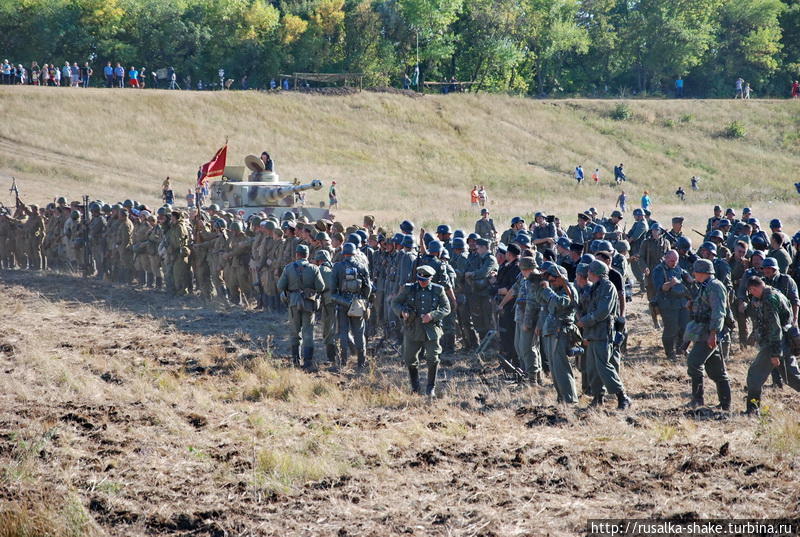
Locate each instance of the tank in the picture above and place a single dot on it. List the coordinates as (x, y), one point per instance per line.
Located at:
(262, 191)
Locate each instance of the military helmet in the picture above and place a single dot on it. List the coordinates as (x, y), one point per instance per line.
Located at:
(301, 249)
(237, 226)
(74, 215)
(586, 259)
(270, 225)
(397, 238)
(322, 236)
(598, 229)
(482, 242)
(355, 239)
(564, 242)
(444, 229)
(557, 271)
(703, 266)
(594, 246)
(516, 220)
(34, 208)
(288, 215)
(638, 212)
(94, 207)
(622, 246)
(775, 223)
(523, 239)
(546, 265)
(116, 207)
(770, 262)
(219, 223)
(162, 211)
(127, 204)
(213, 207)
(434, 247)
(459, 233)
(363, 235)
(683, 243)
(716, 234)
(582, 270)
(50, 206)
(655, 226)
(710, 246)
(472, 236)
(106, 208)
(322, 255)
(459, 243)
(599, 268)
(616, 214)
(349, 248)
(758, 253)
(427, 238)
(408, 241)
(527, 263)
(62, 200)
(407, 226)
(724, 222)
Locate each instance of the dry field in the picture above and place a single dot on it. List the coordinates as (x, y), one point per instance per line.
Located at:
(397, 156)
(125, 413)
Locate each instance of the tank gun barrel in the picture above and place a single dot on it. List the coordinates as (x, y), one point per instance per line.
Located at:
(280, 192)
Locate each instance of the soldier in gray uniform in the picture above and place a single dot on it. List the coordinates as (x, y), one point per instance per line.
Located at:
(772, 317)
(322, 259)
(598, 326)
(558, 329)
(353, 289)
(526, 316)
(636, 236)
(422, 306)
(580, 233)
(517, 225)
(672, 296)
(459, 263)
(706, 330)
(481, 268)
(302, 283)
(484, 227)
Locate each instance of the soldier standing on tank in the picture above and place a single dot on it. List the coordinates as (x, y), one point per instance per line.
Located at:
(352, 284)
(422, 306)
(301, 282)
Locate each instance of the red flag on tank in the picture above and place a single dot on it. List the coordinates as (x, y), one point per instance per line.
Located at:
(214, 167)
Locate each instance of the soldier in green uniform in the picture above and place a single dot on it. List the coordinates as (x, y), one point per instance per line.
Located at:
(484, 227)
(672, 285)
(328, 307)
(772, 317)
(705, 330)
(651, 252)
(301, 283)
(479, 271)
(598, 326)
(558, 329)
(422, 305)
(353, 289)
(517, 225)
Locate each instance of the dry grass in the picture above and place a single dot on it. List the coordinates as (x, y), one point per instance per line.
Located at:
(424, 153)
(114, 421)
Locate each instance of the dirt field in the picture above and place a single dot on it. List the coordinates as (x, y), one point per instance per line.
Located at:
(126, 413)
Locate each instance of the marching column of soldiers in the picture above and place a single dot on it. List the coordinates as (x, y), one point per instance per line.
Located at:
(552, 301)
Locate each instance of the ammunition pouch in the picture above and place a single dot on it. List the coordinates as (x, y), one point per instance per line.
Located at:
(358, 308)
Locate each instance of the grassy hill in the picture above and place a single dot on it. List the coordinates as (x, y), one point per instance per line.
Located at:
(399, 156)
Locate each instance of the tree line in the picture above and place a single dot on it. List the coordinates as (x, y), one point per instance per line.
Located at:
(533, 47)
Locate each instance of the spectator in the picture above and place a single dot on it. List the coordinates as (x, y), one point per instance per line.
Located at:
(482, 196)
(796, 90)
(679, 87)
(406, 81)
(119, 76)
(35, 74)
(473, 196)
(86, 74)
(75, 71)
(622, 199)
(747, 90)
(578, 174)
(272, 84)
(739, 88)
(133, 77)
(6, 72)
(681, 193)
(646, 201)
(45, 74)
(173, 79)
(332, 198)
(596, 176)
(285, 84)
(245, 83)
(166, 192)
(619, 173)
(66, 74)
(142, 78)
(190, 199)
(694, 181)
(108, 74)
(21, 75)
(57, 77)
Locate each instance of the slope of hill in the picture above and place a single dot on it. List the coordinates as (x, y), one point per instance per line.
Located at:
(394, 155)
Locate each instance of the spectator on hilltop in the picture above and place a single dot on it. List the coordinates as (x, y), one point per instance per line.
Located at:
(679, 87)
(133, 77)
(796, 90)
(119, 76)
(76, 75)
(739, 88)
(747, 90)
(596, 176)
(86, 75)
(578, 174)
(108, 74)
(473, 196)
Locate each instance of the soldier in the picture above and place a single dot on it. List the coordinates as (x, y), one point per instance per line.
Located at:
(779, 253)
(772, 317)
(517, 225)
(580, 233)
(544, 234)
(672, 296)
(597, 325)
(71, 236)
(199, 256)
(558, 329)
(237, 259)
(714, 220)
(651, 252)
(444, 234)
(353, 289)
(153, 259)
(484, 227)
(328, 306)
(449, 322)
(97, 240)
(469, 337)
(422, 306)
(706, 330)
(773, 277)
(122, 247)
(301, 283)
(524, 293)
(139, 247)
(676, 232)
(177, 254)
(636, 235)
(480, 270)
(686, 258)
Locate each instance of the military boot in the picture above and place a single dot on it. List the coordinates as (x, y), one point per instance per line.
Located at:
(623, 401)
(362, 360)
(296, 355)
(597, 400)
(260, 303)
(159, 282)
(777, 378)
(330, 353)
(449, 343)
(308, 359)
(413, 375)
(431, 389)
(697, 393)
(753, 404)
(724, 394)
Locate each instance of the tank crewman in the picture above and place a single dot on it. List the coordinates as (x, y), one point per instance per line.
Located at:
(422, 305)
(301, 283)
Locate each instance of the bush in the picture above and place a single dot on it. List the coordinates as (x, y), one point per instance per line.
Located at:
(687, 118)
(621, 112)
(735, 129)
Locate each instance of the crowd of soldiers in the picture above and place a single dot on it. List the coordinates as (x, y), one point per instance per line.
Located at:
(552, 300)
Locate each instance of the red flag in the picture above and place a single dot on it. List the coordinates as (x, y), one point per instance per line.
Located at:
(214, 167)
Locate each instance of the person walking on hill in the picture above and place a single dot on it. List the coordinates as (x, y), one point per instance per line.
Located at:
(621, 201)
(681, 193)
(679, 87)
(333, 200)
(646, 201)
(694, 180)
(619, 173)
(473, 196)
(482, 196)
(739, 88)
(747, 91)
(796, 90)
(596, 176)
(578, 174)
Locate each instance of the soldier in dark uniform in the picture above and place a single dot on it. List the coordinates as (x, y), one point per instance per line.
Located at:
(714, 220)
(517, 224)
(676, 232)
(582, 231)
(481, 268)
(507, 274)
(422, 305)
(352, 284)
(673, 286)
(484, 227)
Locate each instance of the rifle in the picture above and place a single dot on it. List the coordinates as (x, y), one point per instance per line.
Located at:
(701, 234)
(15, 190)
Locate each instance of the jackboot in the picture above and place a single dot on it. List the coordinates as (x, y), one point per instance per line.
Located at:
(597, 401)
(362, 360)
(777, 378)
(431, 390)
(724, 394)
(308, 359)
(260, 305)
(159, 282)
(623, 401)
(413, 375)
(753, 404)
(330, 353)
(449, 343)
(697, 394)
(296, 355)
